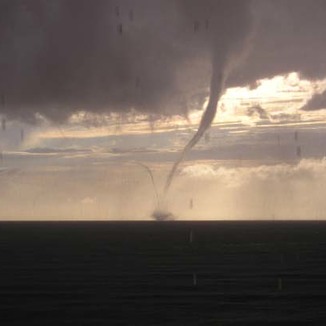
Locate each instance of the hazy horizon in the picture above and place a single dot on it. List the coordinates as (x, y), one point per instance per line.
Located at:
(93, 91)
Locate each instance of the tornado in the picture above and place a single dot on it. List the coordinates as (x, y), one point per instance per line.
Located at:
(229, 46)
(216, 89)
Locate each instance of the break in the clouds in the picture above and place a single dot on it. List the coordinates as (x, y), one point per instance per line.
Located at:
(104, 56)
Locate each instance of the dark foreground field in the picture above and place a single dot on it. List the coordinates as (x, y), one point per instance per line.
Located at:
(149, 273)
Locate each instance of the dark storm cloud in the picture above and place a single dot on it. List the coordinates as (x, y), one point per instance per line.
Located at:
(317, 102)
(58, 57)
(289, 36)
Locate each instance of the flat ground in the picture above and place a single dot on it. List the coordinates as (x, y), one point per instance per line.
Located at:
(168, 273)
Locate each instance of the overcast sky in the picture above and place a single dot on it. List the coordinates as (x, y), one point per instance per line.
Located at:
(89, 87)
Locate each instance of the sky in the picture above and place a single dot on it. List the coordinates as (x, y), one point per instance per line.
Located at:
(96, 92)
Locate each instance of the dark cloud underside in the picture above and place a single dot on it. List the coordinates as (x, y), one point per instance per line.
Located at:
(317, 102)
(58, 57)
